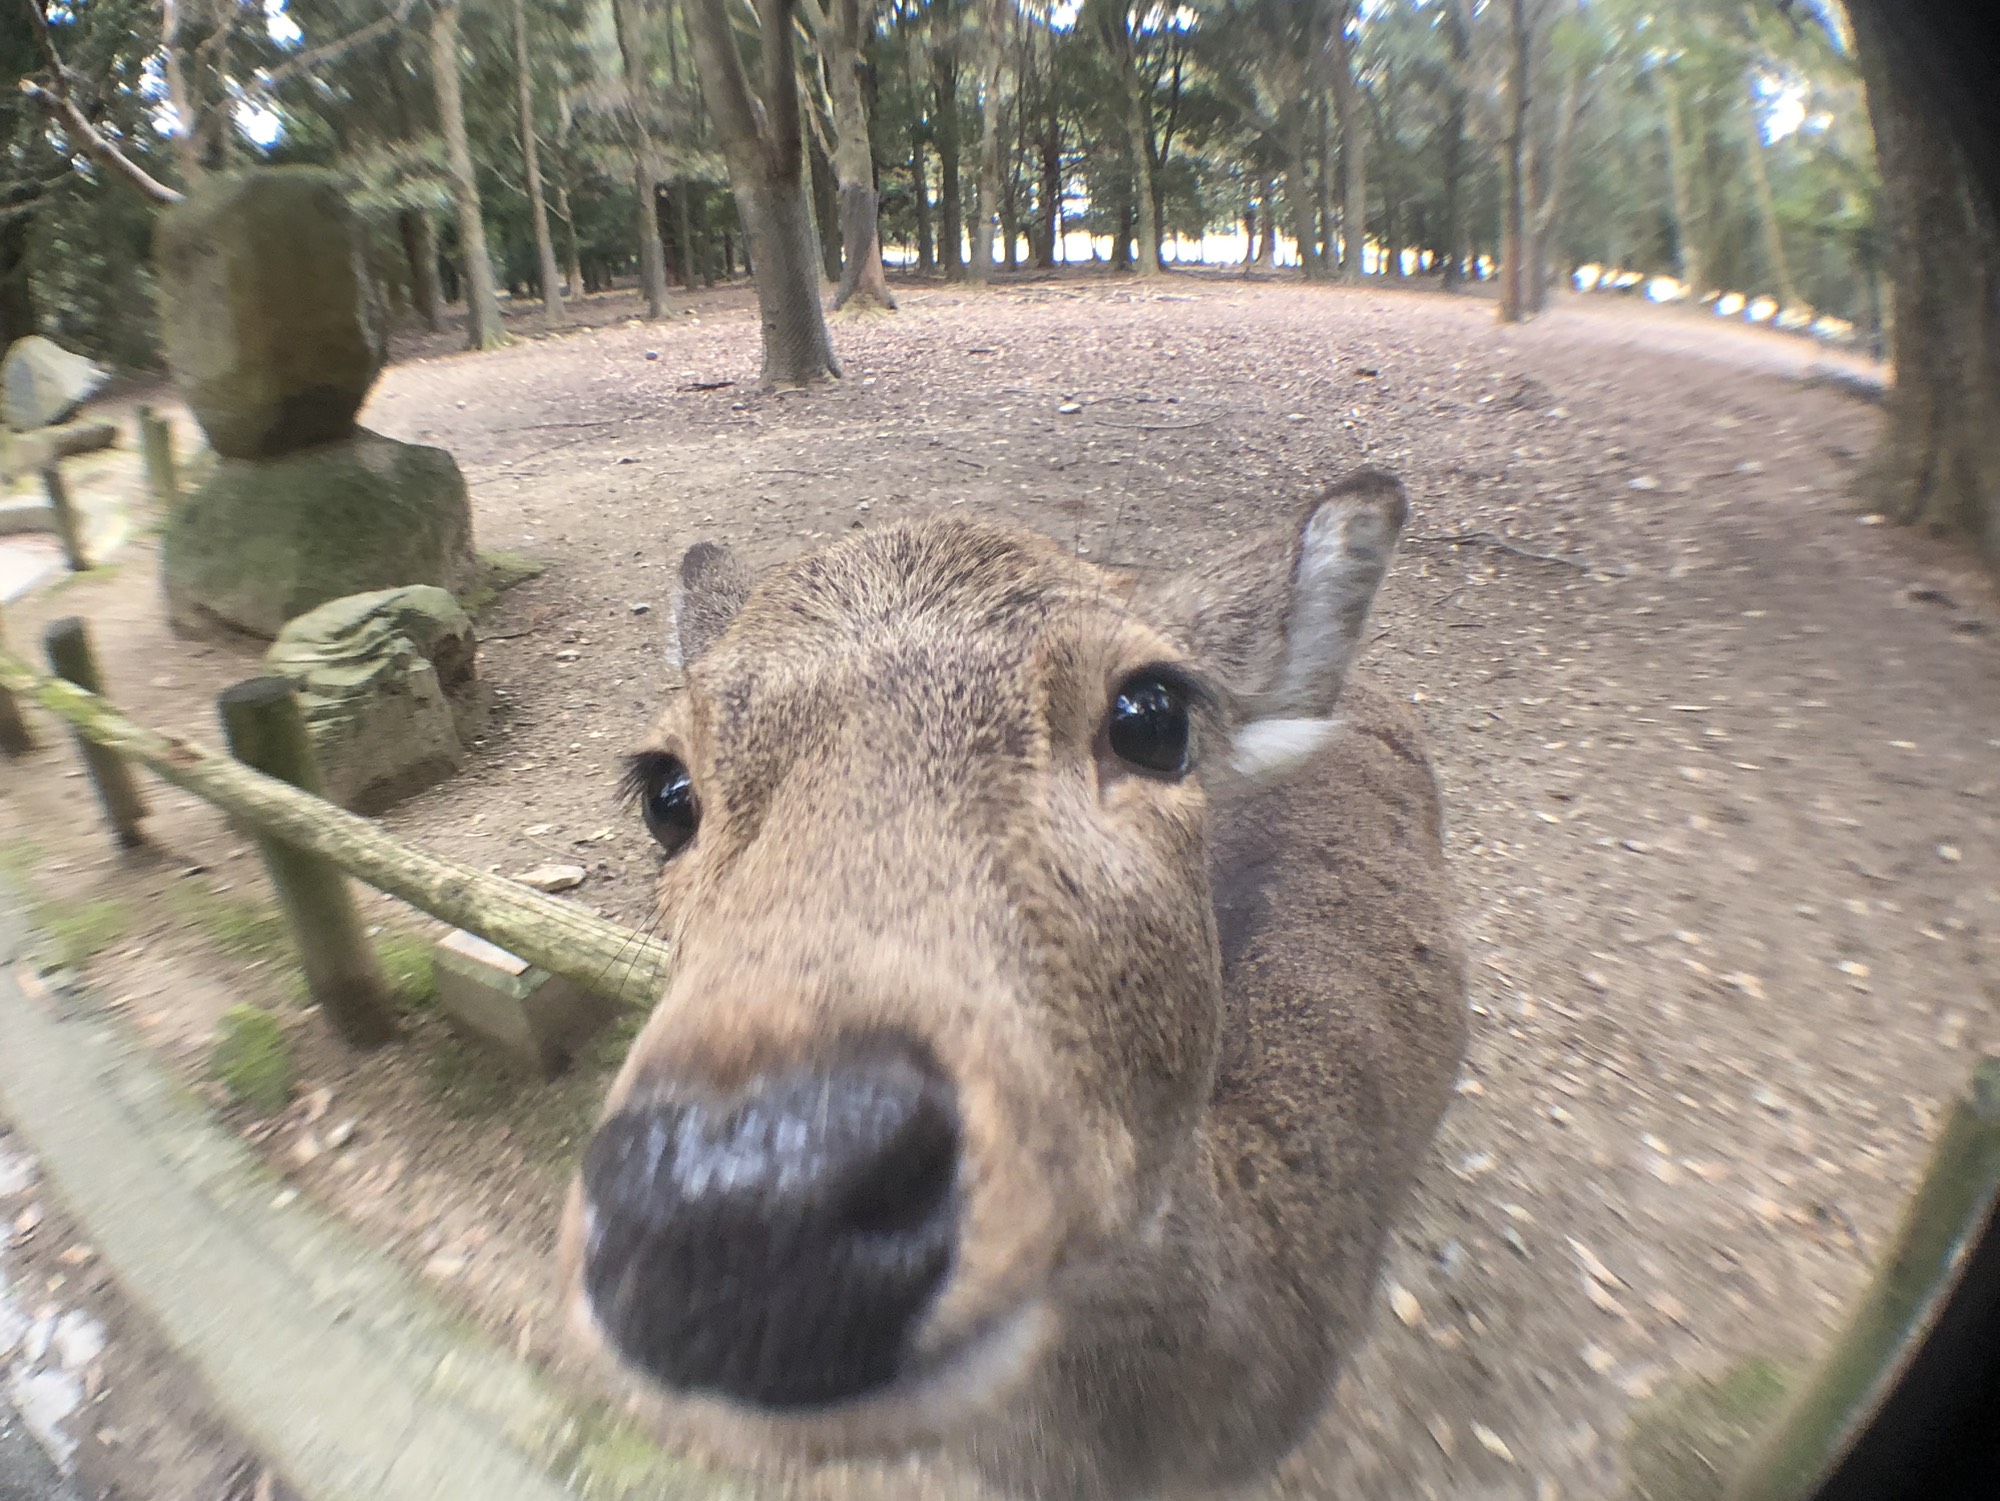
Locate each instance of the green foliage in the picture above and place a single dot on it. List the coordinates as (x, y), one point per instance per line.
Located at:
(251, 931)
(77, 931)
(407, 965)
(252, 1059)
(18, 860)
(1684, 1444)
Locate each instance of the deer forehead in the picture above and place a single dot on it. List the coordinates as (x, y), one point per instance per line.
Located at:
(946, 637)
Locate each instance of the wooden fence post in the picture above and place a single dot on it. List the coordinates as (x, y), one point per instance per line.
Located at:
(69, 526)
(14, 737)
(156, 445)
(70, 658)
(267, 732)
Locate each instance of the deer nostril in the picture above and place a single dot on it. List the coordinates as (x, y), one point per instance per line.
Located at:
(779, 1245)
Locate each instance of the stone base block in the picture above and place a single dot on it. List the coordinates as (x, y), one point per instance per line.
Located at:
(532, 1020)
(26, 515)
(262, 541)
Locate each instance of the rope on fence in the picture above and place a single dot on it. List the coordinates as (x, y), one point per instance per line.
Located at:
(599, 955)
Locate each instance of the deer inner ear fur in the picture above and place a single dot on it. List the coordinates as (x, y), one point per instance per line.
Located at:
(709, 588)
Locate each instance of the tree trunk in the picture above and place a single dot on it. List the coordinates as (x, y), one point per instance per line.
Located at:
(1298, 193)
(421, 252)
(1353, 164)
(796, 349)
(1767, 210)
(986, 186)
(1139, 132)
(17, 292)
(762, 139)
(631, 27)
(951, 206)
(684, 233)
(826, 210)
(921, 189)
(483, 325)
(862, 279)
(1515, 277)
(187, 113)
(1680, 169)
(1328, 237)
(1050, 205)
(545, 245)
(572, 252)
(1938, 465)
(1121, 238)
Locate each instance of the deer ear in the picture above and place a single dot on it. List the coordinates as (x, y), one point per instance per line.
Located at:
(709, 588)
(1342, 551)
(1282, 618)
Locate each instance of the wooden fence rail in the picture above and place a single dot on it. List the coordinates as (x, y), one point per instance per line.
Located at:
(599, 955)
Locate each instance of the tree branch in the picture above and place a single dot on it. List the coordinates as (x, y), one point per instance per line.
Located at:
(723, 81)
(312, 57)
(94, 143)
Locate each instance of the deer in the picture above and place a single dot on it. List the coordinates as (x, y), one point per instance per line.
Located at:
(1066, 994)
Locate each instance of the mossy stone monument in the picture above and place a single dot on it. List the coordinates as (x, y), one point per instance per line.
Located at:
(274, 335)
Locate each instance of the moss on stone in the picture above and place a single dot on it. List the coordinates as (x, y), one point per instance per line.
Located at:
(499, 572)
(252, 1059)
(261, 542)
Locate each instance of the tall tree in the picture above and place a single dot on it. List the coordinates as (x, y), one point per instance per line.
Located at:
(1778, 262)
(484, 326)
(1453, 240)
(545, 246)
(762, 138)
(1353, 146)
(840, 30)
(944, 28)
(1117, 24)
(632, 33)
(1938, 465)
(992, 18)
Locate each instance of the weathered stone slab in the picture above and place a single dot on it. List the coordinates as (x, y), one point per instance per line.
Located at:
(28, 513)
(32, 452)
(263, 541)
(533, 1021)
(42, 383)
(389, 690)
(272, 326)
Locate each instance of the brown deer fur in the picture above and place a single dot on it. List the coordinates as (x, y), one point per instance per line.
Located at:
(1201, 1031)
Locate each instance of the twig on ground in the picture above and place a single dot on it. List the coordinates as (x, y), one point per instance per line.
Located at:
(1152, 427)
(1501, 544)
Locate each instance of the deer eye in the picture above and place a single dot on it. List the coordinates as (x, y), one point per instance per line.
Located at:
(1148, 728)
(665, 793)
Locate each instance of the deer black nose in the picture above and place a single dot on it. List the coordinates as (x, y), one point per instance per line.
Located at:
(779, 1245)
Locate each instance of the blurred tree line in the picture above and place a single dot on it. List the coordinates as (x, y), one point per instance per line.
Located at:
(1724, 142)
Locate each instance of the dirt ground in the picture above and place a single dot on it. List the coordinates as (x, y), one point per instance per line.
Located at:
(1717, 750)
